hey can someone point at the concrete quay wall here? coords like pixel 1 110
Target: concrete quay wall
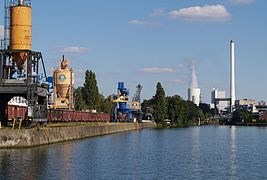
pixel 22 138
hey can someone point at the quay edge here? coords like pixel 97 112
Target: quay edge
pixel 23 138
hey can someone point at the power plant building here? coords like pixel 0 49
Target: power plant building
pixel 194 95
pixel 219 105
pixel 247 104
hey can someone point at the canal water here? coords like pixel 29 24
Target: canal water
pixel 211 152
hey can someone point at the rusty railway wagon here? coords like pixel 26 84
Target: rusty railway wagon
pixel 56 115
pixel 76 116
pixel 15 111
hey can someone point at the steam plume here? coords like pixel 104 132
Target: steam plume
pixel 194 82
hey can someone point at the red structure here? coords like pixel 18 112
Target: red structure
pixel 55 115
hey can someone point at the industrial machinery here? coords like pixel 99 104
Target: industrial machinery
pixel 63 86
pixel 136 104
pixel 121 110
pixel 22 71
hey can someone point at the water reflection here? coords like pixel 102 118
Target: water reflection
pixel 189 153
pixel 19 162
pixel 60 160
pixel 196 151
pixel 40 162
pixel 233 153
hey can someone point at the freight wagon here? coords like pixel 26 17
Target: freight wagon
pixel 15 111
pixel 76 116
pixel 55 115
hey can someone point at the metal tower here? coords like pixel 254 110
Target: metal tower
pixel 20 67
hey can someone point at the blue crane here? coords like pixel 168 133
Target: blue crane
pixel 121 109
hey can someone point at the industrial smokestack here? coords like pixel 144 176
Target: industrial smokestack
pixel 232 80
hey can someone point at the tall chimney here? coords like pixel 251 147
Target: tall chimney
pixel 232 81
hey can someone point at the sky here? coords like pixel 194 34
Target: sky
pixel 150 41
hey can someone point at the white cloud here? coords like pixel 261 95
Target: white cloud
pixel 138 22
pixel 207 13
pixel 74 49
pixel 175 81
pixel 2 32
pixel 158 70
pixel 157 12
pixel 241 1
pixel 144 23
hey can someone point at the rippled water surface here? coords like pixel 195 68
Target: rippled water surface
pixel 190 153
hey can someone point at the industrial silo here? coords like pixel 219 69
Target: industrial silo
pixel 20 31
pixel 63 86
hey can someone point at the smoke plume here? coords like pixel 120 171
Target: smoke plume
pixel 194 82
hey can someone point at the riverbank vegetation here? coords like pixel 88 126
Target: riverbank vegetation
pixel 174 111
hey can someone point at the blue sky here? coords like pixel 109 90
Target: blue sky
pixel 146 41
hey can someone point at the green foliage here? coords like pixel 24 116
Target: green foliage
pixel 174 110
pixel 105 104
pixel 242 116
pixel 159 104
pixel 146 104
pixel 180 112
pixel 88 97
pixel 78 97
pixel 90 91
pixel 205 108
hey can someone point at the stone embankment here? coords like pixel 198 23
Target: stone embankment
pixel 22 138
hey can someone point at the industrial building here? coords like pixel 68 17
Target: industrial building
pixel 247 104
pixel 22 71
pixel 63 86
pixel 219 100
pixel 194 95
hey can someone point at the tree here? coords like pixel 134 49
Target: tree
pixel 174 109
pixel 242 116
pixel 90 91
pixel 205 108
pixel 105 104
pixel 159 107
pixel 192 111
pixel 146 105
pixel 78 98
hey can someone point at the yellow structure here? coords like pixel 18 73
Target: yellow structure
pixel 120 99
pixel 135 105
pixel 20 32
pixel 63 86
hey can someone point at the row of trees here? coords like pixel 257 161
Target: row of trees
pixel 88 97
pixel 174 108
